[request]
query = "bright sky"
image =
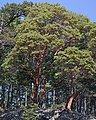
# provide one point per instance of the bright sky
(85, 7)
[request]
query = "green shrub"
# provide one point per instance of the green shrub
(29, 113)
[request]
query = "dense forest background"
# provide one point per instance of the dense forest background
(47, 54)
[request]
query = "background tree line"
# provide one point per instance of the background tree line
(46, 54)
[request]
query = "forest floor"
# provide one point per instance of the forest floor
(48, 114)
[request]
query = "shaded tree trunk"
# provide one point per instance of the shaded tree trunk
(53, 97)
(8, 96)
(3, 97)
(11, 99)
(26, 100)
(85, 105)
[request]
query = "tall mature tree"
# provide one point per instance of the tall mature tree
(10, 16)
(47, 30)
(74, 65)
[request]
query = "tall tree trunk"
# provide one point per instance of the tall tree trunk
(11, 91)
(8, 96)
(26, 100)
(85, 104)
(53, 97)
(39, 66)
(18, 97)
(80, 104)
(3, 97)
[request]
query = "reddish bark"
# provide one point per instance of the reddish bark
(58, 50)
(70, 100)
(39, 66)
(61, 48)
